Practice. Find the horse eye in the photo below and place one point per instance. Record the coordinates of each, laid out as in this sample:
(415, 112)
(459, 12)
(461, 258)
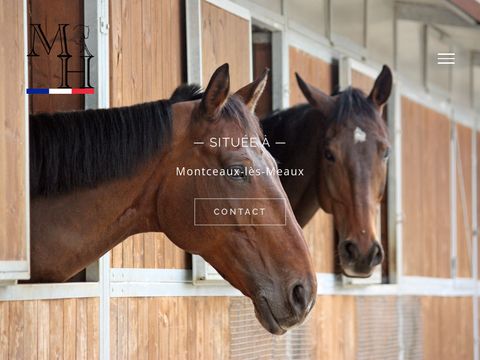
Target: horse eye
(329, 156)
(386, 154)
(237, 172)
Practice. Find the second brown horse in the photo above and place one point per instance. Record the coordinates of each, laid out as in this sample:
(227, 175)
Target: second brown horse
(341, 143)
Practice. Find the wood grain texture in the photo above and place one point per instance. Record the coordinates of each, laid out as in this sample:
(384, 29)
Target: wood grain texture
(225, 39)
(169, 328)
(313, 70)
(319, 232)
(49, 329)
(447, 328)
(425, 189)
(334, 327)
(12, 133)
(147, 62)
(464, 201)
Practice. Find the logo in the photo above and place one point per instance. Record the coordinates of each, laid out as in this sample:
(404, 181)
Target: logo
(40, 46)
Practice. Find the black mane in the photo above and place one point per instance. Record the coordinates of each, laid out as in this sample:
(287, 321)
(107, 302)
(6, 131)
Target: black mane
(81, 149)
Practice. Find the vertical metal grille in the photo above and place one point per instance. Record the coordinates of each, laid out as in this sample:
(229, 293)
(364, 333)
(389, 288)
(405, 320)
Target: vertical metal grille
(248, 340)
(377, 328)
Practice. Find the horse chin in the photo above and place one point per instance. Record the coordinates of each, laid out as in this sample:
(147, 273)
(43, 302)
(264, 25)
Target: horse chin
(266, 318)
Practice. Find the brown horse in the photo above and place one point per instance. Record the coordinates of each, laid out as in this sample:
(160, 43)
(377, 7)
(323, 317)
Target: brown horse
(99, 176)
(341, 143)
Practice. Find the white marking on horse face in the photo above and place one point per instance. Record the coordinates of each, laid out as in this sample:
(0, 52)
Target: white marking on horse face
(359, 135)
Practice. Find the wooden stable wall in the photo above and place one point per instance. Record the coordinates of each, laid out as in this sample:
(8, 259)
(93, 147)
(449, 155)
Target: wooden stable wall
(169, 328)
(425, 190)
(447, 324)
(225, 39)
(49, 329)
(12, 134)
(319, 232)
(147, 57)
(332, 322)
(464, 201)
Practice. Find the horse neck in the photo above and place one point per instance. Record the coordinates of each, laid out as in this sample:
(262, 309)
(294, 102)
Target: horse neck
(299, 129)
(77, 223)
(71, 231)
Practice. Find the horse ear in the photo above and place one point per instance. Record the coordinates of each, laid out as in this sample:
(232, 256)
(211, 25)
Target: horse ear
(216, 93)
(382, 88)
(251, 93)
(316, 97)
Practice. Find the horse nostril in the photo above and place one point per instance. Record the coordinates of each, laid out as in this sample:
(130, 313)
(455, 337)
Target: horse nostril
(299, 294)
(350, 250)
(299, 299)
(376, 256)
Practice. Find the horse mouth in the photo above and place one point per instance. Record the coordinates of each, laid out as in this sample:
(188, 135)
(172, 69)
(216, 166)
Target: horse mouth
(352, 274)
(265, 316)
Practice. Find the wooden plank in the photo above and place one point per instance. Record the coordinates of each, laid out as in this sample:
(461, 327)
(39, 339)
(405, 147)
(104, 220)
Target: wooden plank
(122, 332)
(143, 328)
(4, 321)
(12, 134)
(207, 329)
(181, 319)
(172, 314)
(56, 329)
(43, 309)
(334, 321)
(200, 316)
(464, 188)
(163, 327)
(138, 251)
(93, 334)
(30, 330)
(117, 256)
(82, 329)
(153, 329)
(192, 325)
(15, 330)
(114, 328)
(149, 243)
(132, 328)
(127, 252)
(69, 328)
(159, 250)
